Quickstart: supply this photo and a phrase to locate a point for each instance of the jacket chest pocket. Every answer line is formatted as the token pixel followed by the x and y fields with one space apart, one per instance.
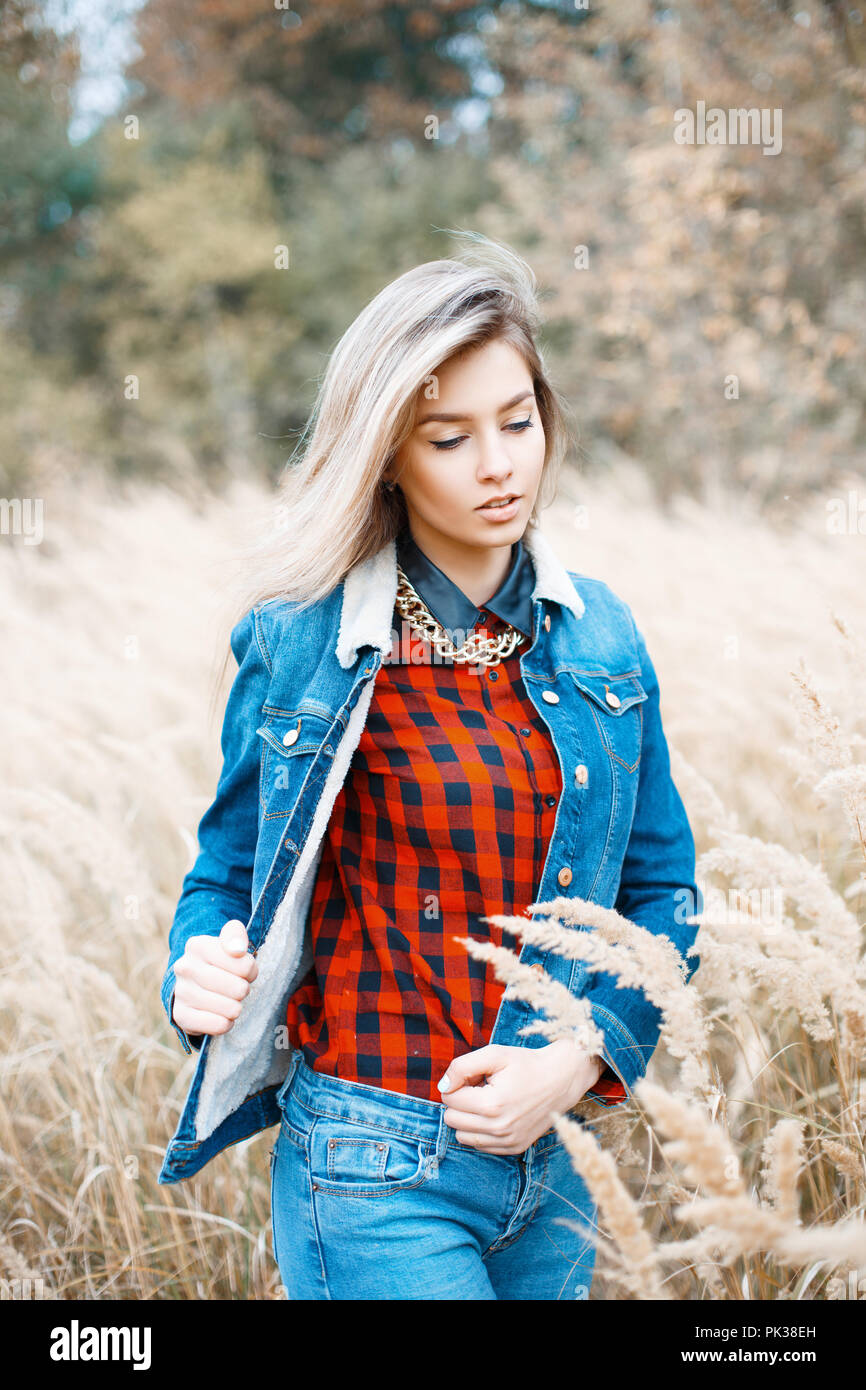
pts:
pixel 616 704
pixel 291 742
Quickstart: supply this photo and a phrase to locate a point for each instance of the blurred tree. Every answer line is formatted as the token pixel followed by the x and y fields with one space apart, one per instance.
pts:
pixel 712 326
pixel 45 183
pixel 316 77
pixel 41 177
pixel 170 306
pixel 320 74
pixel 224 304
pixel 46 188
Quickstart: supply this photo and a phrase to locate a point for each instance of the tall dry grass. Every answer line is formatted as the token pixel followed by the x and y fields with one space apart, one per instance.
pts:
pixel 739 1169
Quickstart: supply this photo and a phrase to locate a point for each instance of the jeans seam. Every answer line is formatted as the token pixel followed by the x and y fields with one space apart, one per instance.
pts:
pixel 285 1130
pixel 294 1135
pixel 273 1164
pixel 313 1218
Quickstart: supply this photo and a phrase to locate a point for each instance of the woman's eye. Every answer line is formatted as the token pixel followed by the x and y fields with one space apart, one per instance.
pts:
pixel 517 427
pixel 446 443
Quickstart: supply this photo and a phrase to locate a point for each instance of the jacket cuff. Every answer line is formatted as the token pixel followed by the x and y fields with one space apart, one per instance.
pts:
pixel 189 1041
pixel 624 1060
pixel 608 1089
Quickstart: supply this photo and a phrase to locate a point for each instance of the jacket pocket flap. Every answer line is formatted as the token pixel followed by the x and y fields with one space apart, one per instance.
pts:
pixel 614 694
pixel 290 734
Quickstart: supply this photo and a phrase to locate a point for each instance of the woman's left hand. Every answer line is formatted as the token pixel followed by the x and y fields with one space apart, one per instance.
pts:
pixel 524 1085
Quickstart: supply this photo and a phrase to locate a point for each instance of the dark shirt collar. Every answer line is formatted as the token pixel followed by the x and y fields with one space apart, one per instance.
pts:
pixel 512 601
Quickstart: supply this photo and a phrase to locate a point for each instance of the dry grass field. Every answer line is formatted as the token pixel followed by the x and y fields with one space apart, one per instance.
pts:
pixel 740 1172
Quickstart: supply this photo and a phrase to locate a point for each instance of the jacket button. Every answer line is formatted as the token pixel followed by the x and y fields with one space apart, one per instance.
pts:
pixel 581 774
pixel 291 737
pixel 550 696
pixel 564 877
pixel 547 622
pixel 613 700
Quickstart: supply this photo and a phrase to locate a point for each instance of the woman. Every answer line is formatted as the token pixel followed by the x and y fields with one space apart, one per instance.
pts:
pixel 432 723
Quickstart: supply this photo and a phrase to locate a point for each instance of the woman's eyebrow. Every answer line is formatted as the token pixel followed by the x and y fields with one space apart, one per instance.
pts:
pixel 440 415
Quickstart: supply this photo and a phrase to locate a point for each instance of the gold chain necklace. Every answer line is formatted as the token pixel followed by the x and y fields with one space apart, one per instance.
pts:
pixel 483 651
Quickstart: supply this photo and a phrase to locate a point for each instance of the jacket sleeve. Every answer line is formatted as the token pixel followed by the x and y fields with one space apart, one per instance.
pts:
pixel 657 891
pixel 218 887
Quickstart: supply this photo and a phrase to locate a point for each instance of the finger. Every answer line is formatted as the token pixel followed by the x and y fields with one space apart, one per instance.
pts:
pixel 214 978
pixel 474 1100
pixel 472 1124
pixel 201 1021
pixel 195 997
pixel 233 937
pixel 472 1064
pixel 473 1141
pixel 209 948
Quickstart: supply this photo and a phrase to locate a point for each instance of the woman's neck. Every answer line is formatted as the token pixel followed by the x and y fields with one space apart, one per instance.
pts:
pixel 477 570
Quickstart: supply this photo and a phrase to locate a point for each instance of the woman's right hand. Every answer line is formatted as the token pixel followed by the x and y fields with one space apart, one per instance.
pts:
pixel 212 980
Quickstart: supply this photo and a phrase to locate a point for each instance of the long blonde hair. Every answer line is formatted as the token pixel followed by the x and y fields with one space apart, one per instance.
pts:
pixel 332 509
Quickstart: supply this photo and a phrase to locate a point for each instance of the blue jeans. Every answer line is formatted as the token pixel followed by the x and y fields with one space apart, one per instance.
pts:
pixel 373 1197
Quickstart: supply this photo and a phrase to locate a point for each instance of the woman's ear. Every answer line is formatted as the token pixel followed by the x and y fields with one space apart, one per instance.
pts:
pixel 388 478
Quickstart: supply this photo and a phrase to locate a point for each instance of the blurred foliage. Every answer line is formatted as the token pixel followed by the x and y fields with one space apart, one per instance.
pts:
pixel 704 261
pixel 148 325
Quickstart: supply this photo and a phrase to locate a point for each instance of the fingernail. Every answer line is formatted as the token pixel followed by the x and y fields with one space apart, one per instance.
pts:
pixel 444 1084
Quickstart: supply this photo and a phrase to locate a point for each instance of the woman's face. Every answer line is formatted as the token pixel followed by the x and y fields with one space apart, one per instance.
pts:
pixel 477 437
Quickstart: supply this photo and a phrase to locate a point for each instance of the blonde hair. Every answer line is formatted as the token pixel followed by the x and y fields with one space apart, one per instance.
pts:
pixel 332 509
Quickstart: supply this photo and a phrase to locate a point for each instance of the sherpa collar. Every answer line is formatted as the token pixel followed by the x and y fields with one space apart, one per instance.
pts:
pixel 370 593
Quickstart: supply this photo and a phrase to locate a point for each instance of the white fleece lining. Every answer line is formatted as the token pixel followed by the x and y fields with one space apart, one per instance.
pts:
pixel 245 1059
pixel 369 595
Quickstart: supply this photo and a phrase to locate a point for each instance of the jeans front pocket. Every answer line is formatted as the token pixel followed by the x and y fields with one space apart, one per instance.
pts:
pixel 365 1160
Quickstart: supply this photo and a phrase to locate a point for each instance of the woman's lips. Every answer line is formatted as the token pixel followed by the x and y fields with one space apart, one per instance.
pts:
pixel 500 513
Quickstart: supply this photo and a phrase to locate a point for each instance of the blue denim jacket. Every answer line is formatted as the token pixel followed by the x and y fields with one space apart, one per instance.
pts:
pixel 293 720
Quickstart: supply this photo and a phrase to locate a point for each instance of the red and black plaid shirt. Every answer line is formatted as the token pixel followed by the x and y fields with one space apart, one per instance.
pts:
pixel 444 818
